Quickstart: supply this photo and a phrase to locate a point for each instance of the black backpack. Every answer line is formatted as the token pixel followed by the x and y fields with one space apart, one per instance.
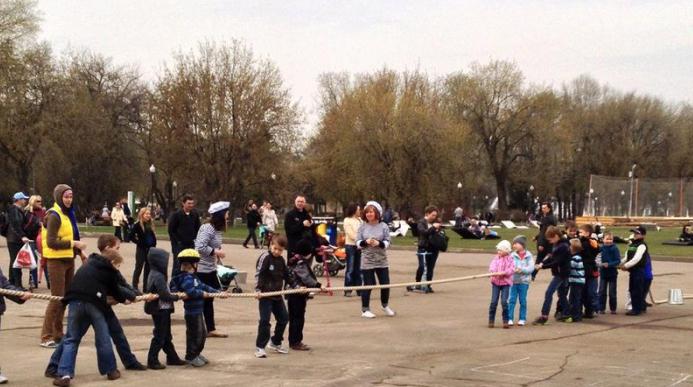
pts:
pixel 438 240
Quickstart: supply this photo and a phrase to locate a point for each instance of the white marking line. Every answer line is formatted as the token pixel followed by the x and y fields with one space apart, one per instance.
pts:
pixel 683 379
pixel 482 369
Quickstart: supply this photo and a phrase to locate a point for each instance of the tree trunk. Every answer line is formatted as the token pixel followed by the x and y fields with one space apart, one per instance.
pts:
pixel 502 192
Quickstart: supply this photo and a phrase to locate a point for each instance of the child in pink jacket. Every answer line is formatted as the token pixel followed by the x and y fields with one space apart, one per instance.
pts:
pixel 500 284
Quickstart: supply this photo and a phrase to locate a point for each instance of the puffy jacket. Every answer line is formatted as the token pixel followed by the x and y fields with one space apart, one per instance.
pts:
pixel 157 282
pixel 194 289
pixel 502 264
pixel 559 259
pixel 526 265
pixel 424 230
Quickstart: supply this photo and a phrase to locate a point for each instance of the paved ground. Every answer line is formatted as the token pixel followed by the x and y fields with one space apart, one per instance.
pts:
pixel 435 340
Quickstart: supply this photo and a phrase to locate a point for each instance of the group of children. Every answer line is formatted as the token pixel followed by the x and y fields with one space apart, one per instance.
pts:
pixel 584 274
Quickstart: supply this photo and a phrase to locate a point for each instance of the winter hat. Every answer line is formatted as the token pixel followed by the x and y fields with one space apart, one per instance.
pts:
pixel 521 239
pixel 504 246
pixel 219 206
pixel 377 206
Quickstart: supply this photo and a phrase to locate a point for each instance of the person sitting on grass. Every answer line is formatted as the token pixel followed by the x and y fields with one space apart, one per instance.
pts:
pixel 686 234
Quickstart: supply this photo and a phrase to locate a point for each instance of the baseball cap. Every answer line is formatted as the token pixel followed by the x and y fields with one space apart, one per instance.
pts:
pixel 639 230
pixel 19 196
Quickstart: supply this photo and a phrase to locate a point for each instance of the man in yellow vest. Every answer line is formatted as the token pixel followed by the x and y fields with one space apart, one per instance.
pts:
pixel 60 242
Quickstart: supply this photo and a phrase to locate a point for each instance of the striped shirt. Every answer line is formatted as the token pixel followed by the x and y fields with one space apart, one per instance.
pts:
pixel 373 257
pixel 577 270
pixel 208 239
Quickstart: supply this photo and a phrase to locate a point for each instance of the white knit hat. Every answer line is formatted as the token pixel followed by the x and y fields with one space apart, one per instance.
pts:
pixel 218 206
pixel 376 205
pixel 504 246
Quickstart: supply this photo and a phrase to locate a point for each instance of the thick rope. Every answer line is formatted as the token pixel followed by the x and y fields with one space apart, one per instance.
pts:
pixel 151 297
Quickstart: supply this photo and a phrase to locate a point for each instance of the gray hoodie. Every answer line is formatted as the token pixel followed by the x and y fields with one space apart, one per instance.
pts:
pixel 157 282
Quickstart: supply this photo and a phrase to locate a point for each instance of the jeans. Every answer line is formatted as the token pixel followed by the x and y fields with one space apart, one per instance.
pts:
pixel 383 274
pixel 212 280
pixel 576 291
pixel 559 285
pixel 140 263
pixel 119 233
pixel 251 234
pixel 162 338
pixel 195 336
pixel 518 291
pixel 636 287
pixel 297 317
pixel 609 284
pixel 269 307
pixel 502 293
pixel 427 263
pixel 352 276
pixel 15 277
pixel 119 340
pixel 61 272
pixel 80 317
pixel 589 294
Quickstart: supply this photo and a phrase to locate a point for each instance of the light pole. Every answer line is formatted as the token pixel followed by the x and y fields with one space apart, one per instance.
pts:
pixel 623 194
pixel 589 202
pixel 459 193
pixel 152 173
pixel 669 201
pixel 631 176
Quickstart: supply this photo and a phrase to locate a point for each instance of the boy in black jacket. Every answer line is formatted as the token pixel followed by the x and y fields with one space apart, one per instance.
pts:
pixel 300 276
pixel 559 262
pixel 270 276
pixel 590 250
pixel 160 310
pixel 87 299
pixel 5 284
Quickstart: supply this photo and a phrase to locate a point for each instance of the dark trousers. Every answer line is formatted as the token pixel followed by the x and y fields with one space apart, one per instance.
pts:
pixel 140 263
pixel 540 258
pixel 636 287
pixel 212 280
pixel 15 274
pixel 119 233
pixel 589 294
pixel 499 292
pixel 576 292
pixel 119 339
pixel 269 307
pixel 557 285
pixel 195 336
pixel 297 317
pixel 352 276
pixel 253 235
pixel 427 263
pixel 383 274
pixel 610 285
pixel 162 338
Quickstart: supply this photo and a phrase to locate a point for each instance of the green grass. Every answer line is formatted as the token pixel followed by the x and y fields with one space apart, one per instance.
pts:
pixel 654 239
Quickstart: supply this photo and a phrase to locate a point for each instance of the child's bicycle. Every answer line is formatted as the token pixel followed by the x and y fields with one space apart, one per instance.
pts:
pixel 266 236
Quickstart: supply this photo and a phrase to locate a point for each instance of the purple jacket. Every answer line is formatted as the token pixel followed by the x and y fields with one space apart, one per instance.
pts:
pixel 505 265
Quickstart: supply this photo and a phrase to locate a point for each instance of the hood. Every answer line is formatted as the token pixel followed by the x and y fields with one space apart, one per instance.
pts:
pixel 158 260
pixel 58 192
pixel 100 262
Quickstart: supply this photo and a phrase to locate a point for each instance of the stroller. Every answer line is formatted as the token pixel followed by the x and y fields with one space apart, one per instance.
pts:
pixel 329 259
pixel 266 235
pixel 227 274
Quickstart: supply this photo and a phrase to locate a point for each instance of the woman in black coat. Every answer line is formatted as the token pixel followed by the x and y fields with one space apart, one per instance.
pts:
pixel 142 234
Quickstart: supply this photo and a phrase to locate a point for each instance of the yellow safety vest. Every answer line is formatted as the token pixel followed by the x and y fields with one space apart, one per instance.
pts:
pixel 64 234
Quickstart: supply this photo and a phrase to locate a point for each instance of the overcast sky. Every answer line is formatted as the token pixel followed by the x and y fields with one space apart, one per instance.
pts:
pixel 645 46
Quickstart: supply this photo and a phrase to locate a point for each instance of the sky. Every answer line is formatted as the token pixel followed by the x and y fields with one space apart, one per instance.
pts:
pixel 642 46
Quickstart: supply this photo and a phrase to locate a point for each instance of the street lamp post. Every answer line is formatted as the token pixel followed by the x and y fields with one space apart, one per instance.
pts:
pixel 459 193
pixel 669 196
pixel 631 175
pixel 152 173
pixel 623 194
pixel 589 202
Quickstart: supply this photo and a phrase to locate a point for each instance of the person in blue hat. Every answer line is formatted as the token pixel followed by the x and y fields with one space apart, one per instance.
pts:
pixel 16 237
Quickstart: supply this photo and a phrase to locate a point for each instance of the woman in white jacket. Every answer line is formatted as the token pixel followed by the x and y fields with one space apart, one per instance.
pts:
pixel 119 220
pixel 269 217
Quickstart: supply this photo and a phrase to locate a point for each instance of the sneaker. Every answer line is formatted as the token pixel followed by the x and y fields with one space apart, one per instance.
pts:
pixel 49 344
pixel 347 293
pixel 631 313
pixel 588 315
pixel 429 290
pixel 176 362
pixel 568 320
pixel 62 382
pixel 521 323
pixel 113 375
pixel 156 366
pixel 541 320
pixel 601 312
pixel 300 347
pixel 278 348
pixel 510 322
pixel 197 362
pixel 136 367
pixel 367 314
pixel 558 316
pixel 389 312
pixel 3 379
pixel 260 353
pixel 51 373
pixel 506 326
pixel 204 359
pixel 215 334
pixel 491 324
pixel 613 312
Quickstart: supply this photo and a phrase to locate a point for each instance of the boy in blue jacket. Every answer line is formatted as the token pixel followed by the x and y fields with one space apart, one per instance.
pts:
pixel 195 292
pixel 5 284
pixel 608 273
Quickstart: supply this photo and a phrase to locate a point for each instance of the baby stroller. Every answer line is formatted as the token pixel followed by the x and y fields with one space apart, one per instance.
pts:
pixel 266 235
pixel 329 259
pixel 227 275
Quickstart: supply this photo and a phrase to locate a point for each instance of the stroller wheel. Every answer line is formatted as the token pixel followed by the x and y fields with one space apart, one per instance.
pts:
pixel 237 290
pixel 318 270
pixel 333 273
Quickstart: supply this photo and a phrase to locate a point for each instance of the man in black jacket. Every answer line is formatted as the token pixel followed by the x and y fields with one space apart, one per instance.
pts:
pixel 182 229
pixel 426 252
pixel 253 222
pixel 543 246
pixel 16 237
pixel 297 223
